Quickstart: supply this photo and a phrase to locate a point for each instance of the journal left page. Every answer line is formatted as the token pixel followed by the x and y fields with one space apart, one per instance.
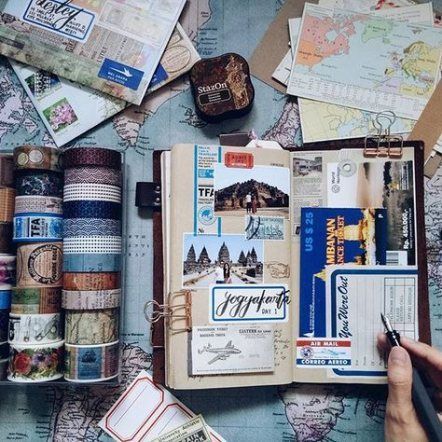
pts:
pixel 229 255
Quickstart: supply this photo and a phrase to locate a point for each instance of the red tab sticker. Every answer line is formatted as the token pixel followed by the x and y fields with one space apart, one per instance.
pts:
pixel 242 160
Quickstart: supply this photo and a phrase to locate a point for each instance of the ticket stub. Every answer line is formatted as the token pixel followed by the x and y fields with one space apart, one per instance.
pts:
pixel 193 431
pixel 232 349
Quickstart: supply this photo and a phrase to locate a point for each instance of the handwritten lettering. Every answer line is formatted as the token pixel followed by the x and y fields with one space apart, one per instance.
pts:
pixel 343 309
pixel 62 12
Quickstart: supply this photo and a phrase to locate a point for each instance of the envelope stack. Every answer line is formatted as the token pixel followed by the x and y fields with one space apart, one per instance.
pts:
pixel 35 321
pixel 92 263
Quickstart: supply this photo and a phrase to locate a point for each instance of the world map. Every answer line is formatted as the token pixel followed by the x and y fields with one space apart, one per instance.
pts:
pixel 297 412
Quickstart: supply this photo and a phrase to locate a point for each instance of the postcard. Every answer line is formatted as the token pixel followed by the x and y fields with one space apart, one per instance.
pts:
pixel 228 349
pixel 225 259
pixel 261 303
pixel 113 46
pixel 355 298
pixel 193 431
pixel 147 410
pixel 264 227
pixel 334 236
pixel 388 184
pixel 259 190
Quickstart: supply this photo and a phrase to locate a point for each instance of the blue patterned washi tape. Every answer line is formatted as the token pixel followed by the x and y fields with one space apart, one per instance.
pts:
pixel 5 299
pixel 29 227
pixel 92 209
pixel 91 227
pixel 91 262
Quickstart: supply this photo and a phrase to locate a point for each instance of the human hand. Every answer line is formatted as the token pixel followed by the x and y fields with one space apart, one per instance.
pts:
pixel 401 421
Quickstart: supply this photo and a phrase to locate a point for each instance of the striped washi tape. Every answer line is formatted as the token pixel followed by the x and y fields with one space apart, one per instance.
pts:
pixel 92 262
pixel 93 175
pixel 38 204
pixel 92 192
pixel 36 363
pixel 35 227
pixel 6 171
pixel 91 227
pixel 92 209
pixel 92 244
pixel 91 281
pixel 7 204
pixel 38 157
pixel 92 156
pixel 35 300
pixel 38 182
pixel 83 327
pixel 5 237
pixel 4 348
pixel 91 363
pixel 91 299
pixel 40 264
pixel 35 329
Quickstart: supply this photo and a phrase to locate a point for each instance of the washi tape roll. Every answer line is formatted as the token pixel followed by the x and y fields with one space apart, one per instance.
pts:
pixel 36 363
pixel 92 244
pixel 40 264
pixel 91 281
pixel 34 227
pixel 91 227
pixel 84 327
pixel 92 156
pixel 90 300
pixel 92 192
pixel 91 363
pixel 93 175
pixel 38 204
pixel 5 237
pixel 91 262
pixel 35 300
pixel 6 171
pixel 92 209
pixel 38 182
pixel 3 369
pixel 5 305
pixel 38 157
pixel 7 269
pixel 35 329
pixel 7 204
pixel 4 350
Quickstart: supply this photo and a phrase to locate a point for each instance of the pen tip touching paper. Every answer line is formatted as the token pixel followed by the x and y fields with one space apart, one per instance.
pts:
pixel 386 322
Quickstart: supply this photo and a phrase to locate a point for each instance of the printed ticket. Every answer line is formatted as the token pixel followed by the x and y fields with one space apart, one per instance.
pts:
pixel 192 431
pixel 232 349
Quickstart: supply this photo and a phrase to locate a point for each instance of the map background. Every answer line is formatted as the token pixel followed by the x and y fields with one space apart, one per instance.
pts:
pixel 298 412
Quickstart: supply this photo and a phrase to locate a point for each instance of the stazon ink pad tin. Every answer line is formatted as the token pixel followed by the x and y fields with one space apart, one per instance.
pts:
pixel 222 87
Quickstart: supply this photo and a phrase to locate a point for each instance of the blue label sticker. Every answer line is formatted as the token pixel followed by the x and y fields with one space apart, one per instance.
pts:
pixel 121 73
pixel 159 75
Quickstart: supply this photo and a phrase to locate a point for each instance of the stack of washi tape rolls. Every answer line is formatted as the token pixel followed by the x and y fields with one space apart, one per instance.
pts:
pixel 92 263
pixel 35 322
pixel 7 255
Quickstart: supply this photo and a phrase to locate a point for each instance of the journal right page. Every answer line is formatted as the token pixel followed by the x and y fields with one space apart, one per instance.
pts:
pixel 354 243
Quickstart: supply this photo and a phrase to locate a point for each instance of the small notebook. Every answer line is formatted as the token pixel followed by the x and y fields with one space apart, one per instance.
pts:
pixel 273 266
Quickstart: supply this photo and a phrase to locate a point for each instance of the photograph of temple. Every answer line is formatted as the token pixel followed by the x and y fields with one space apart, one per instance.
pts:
pixel 227 259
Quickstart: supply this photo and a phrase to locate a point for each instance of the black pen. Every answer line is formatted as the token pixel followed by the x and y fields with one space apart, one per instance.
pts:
pixel 421 400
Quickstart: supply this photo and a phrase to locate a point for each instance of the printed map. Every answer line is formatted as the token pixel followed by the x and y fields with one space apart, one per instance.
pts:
pixel 298 412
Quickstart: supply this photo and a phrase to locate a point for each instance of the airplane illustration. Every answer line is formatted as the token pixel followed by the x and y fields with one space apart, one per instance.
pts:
pixel 124 72
pixel 221 353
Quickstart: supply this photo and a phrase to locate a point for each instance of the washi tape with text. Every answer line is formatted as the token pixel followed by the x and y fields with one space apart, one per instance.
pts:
pixel 34 227
pixel 91 281
pixel 35 300
pixel 35 329
pixel 92 262
pixel 91 299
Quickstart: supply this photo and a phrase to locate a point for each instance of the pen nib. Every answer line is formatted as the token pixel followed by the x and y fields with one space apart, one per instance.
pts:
pixel 387 323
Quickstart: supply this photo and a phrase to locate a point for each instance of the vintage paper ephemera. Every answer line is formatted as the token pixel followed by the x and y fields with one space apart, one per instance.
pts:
pixel 112 45
pixel 193 431
pixel 402 81
pixel 146 411
pixel 355 298
pixel 232 349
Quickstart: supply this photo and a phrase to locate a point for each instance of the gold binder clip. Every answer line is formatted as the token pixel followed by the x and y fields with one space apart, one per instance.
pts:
pixel 381 145
pixel 171 312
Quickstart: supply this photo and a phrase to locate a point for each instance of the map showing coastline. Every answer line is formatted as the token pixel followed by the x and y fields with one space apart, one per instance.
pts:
pixel 298 412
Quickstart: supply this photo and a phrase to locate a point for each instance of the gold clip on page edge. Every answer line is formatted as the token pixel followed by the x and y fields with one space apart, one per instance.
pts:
pixel 171 312
pixel 383 140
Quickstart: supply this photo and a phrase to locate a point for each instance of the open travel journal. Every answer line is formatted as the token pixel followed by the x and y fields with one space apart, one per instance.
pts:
pixel 273 266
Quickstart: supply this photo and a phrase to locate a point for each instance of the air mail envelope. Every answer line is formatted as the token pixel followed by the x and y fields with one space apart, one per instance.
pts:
pixel 145 411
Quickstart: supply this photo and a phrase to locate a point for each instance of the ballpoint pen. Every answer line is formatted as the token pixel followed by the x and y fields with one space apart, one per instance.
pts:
pixel 422 402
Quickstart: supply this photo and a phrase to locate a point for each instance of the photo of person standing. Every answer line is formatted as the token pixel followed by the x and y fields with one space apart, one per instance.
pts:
pixel 248 203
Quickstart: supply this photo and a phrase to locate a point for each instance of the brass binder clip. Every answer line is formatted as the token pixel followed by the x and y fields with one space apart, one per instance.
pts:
pixel 381 145
pixel 172 312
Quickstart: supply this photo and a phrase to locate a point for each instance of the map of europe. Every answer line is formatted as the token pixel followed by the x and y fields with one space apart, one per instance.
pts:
pixel 297 412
